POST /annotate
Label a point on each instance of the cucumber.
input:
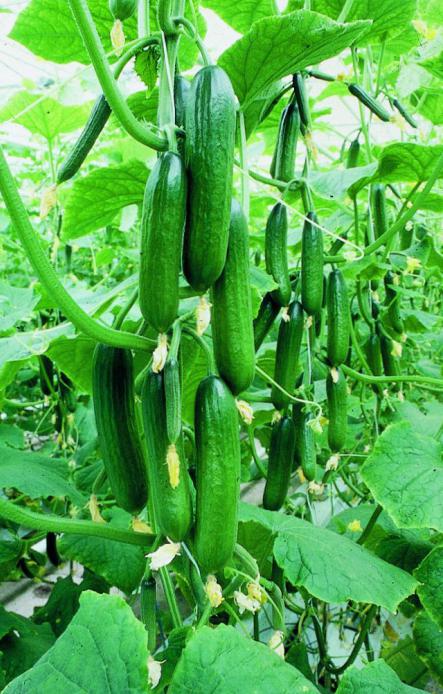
(232, 329)
(276, 257)
(96, 122)
(281, 454)
(287, 353)
(353, 154)
(122, 9)
(337, 394)
(46, 374)
(164, 17)
(210, 138)
(311, 266)
(338, 318)
(298, 420)
(148, 609)
(373, 355)
(307, 452)
(164, 211)
(392, 302)
(283, 160)
(391, 364)
(217, 447)
(119, 441)
(169, 493)
(173, 399)
(378, 207)
(301, 95)
(406, 236)
(403, 112)
(264, 321)
(367, 100)
(182, 87)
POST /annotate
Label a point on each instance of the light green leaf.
(74, 358)
(429, 103)
(432, 202)
(222, 660)
(306, 553)
(240, 16)
(24, 345)
(334, 184)
(431, 11)
(104, 646)
(405, 475)
(430, 574)
(375, 678)
(16, 304)
(95, 199)
(428, 640)
(407, 161)
(278, 46)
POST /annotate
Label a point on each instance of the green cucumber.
(122, 9)
(337, 394)
(391, 364)
(119, 441)
(301, 95)
(367, 100)
(392, 302)
(164, 17)
(353, 154)
(210, 139)
(173, 399)
(312, 266)
(378, 207)
(283, 160)
(307, 452)
(164, 211)
(169, 486)
(217, 464)
(298, 419)
(276, 257)
(232, 329)
(373, 355)
(265, 319)
(148, 610)
(407, 236)
(403, 112)
(281, 454)
(338, 318)
(182, 87)
(287, 353)
(46, 374)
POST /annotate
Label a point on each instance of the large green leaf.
(307, 553)
(428, 640)
(240, 16)
(103, 649)
(375, 678)
(16, 304)
(21, 346)
(22, 643)
(434, 65)
(405, 475)
(430, 575)
(407, 161)
(428, 102)
(222, 660)
(42, 115)
(278, 46)
(74, 358)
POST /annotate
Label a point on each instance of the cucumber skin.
(298, 420)
(391, 366)
(122, 9)
(393, 304)
(172, 507)
(312, 266)
(379, 212)
(368, 101)
(210, 139)
(353, 154)
(307, 452)
(173, 399)
(232, 328)
(338, 318)
(276, 257)
(287, 353)
(298, 82)
(338, 419)
(182, 87)
(164, 211)
(265, 319)
(217, 451)
(281, 454)
(373, 354)
(120, 445)
(283, 160)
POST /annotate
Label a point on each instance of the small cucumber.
(391, 364)
(373, 355)
(312, 266)
(287, 353)
(392, 302)
(276, 257)
(122, 9)
(337, 394)
(148, 610)
(379, 211)
(338, 318)
(307, 452)
(367, 100)
(403, 112)
(182, 87)
(353, 154)
(301, 95)
(298, 419)
(281, 454)
(265, 319)
(46, 374)
(283, 160)
(173, 399)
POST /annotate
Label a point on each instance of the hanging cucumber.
(281, 454)
(119, 441)
(392, 302)
(301, 95)
(276, 257)
(283, 160)
(182, 87)
(173, 399)
(232, 329)
(367, 100)
(287, 353)
(210, 138)
(122, 9)
(403, 112)
(312, 266)
(338, 318)
(391, 364)
(379, 211)
(167, 472)
(217, 447)
(298, 419)
(164, 210)
(148, 610)
(307, 452)
(337, 394)
(373, 355)
(46, 374)
(353, 154)
(264, 321)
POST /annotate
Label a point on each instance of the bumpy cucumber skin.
(173, 399)
(393, 304)
(276, 256)
(379, 212)
(368, 101)
(232, 329)
(172, 507)
(353, 154)
(217, 449)
(46, 372)
(210, 138)
(264, 320)
(120, 445)
(281, 454)
(122, 9)
(338, 318)
(391, 365)
(307, 452)
(298, 82)
(96, 122)
(287, 353)
(283, 160)
(298, 420)
(373, 355)
(312, 266)
(164, 211)
(337, 395)
(403, 112)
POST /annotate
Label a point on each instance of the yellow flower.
(203, 315)
(355, 526)
(48, 201)
(164, 555)
(256, 592)
(276, 417)
(276, 643)
(245, 410)
(173, 463)
(244, 602)
(160, 354)
(315, 488)
(332, 463)
(285, 314)
(118, 37)
(140, 526)
(397, 349)
(214, 591)
(424, 30)
(412, 264)
(316, 425)
(94, 510)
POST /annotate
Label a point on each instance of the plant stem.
(169, 592)
(369, 527)
(255, 455)
(392, 379)
(345, 10)
(358, 644)
(203, 344)
(121, 315)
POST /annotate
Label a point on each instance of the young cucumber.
(122, 9)
(373, 355)
(312, 266)
(338, 318)
(276, 254)
(164, 209)
(353, 154)
(286, 357)
(378, 207)
(120, 445)
(307, 452)
(264, 321)
(283, 160)
(210, 139)
(182, 87)
(301, 95)
(217, 448)
(167, 472)
(337, 394)
(392, 301)
(367, 100)
(391, 364)
(281, 454)
(232, 329)
(173, 399)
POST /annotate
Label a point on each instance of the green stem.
(345, 10)
(143, 23)
(203, 344)
(357, 347)
(47, 275)
(93, 45)
(391, 379)
(57, 524)
(267, 180)
(255, 455)
(370, 525)
(358, 644)
(175, 341)
(364, 125)
(169, 592)
(121, 315)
